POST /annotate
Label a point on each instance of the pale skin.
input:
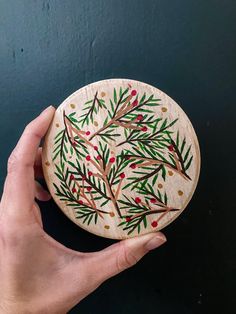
(37, 273)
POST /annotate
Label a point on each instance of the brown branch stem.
(118, 115)
(164, 163)
(149, 175)
(76, 131)
(113, 199)
(154, 211)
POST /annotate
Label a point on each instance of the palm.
(50, 268)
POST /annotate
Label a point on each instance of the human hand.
(37, 273)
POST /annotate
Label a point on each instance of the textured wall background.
(187, 48)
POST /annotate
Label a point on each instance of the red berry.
(87, 133)
(88, 158)
(133, 166)
(138, 200)
(89, 188)
(171, 148)
(98, 157)
(135, 102)
(122, 175)
(153, 200)
(73, 190)
(139, 117)
(95, 147)
(90, 173)
(144, 129)
(112, 159)
(81, 202)
(133, 92)
(154, 224)
(128, 219)
(72, 177)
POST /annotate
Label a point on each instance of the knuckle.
(29, 127)
(13, 161)
(125, 258)
(9, 236)
(30, 130)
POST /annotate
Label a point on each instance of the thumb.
(124, 254)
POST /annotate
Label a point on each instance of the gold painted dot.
(103, 94)
(163, 109)
(95, 123)
(160, 186)
(57, 125)
(170, 173)
(107, 227)
(180, 193)
(112, 152)
(113, 190)
(112, 214)
(72, 106)
(47, 163)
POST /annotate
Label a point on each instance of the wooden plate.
(121, 158)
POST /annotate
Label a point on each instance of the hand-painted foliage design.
(95, 176)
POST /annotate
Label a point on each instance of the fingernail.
(156, 242)
(47, 109)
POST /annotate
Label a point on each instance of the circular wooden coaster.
(121, 158)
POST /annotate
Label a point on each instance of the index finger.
(19, 185)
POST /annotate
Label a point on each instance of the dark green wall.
(187, 48)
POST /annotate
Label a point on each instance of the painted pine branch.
(103, 164)
(69, 140)
(139, 208)
(91, 107)
(59, 149)
(154, 165)
(67, 192)
(76, 194)
(125, 108)
(157, 135)
(117, 171)
(91, 181)
(180, 154)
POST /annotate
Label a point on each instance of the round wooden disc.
(121, 158)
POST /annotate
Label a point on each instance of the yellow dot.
(180, 193)
(107, 227)
(57, 125)
(103, 94)
(95, 123)
(112, 214)
(72, 106)
(170, 173)
(47, 163)
(160, 186)
(163, 109)
(112, 152)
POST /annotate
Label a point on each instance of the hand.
(38, 274)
